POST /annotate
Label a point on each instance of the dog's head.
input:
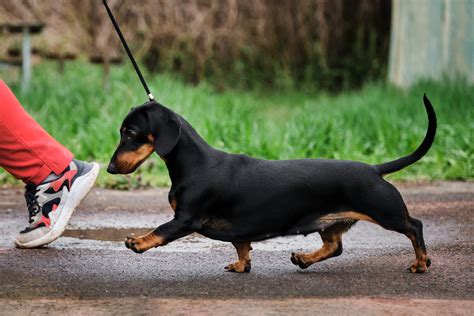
(147, 128)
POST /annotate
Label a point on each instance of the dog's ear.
(165, 128)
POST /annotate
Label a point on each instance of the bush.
(273, 43)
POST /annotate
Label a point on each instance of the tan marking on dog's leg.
(349, 214)
(143, 243)
(244, 262)
(173, 204)
(420, 265)
(332, 246)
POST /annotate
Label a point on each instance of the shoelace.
(31, 201)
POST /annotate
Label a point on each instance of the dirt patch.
(337, 306)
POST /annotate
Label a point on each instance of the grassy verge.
(376, 124)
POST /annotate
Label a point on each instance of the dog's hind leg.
(413, 229)
(422, 261)
(244, 262)
(332, 246)
(387, 208)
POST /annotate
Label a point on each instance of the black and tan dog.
(241, 199)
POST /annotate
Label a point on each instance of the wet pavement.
(89, 270)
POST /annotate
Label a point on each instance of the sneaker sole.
(79, 191)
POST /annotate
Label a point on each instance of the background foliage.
(274, 79)
(329, 44)
(375, 124)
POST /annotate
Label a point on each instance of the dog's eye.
(130, 134)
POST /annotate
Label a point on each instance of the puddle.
(118, 234)
(363, 236)
(194, 242)
(105, 234)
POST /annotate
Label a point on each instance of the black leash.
(129, 53)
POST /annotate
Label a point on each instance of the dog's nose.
(111, 168)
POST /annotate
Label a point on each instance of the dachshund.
(241, 199)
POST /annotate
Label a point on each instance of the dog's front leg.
(159, 237)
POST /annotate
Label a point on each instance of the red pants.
(27, 151)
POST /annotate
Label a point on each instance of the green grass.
(373, 125)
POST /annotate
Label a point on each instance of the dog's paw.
(143, 243)
(239, 267)
(298, 260)
(420, 266)
(133, 243)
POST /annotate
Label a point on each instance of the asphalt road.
(83, 276)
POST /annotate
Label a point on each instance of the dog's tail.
(400, 163)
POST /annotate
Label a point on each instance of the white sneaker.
(51, 204)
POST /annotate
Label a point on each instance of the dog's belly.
(237, 236)
(234, 231)
(276, 215)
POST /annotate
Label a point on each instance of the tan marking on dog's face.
(129, 161)
(151, 139)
